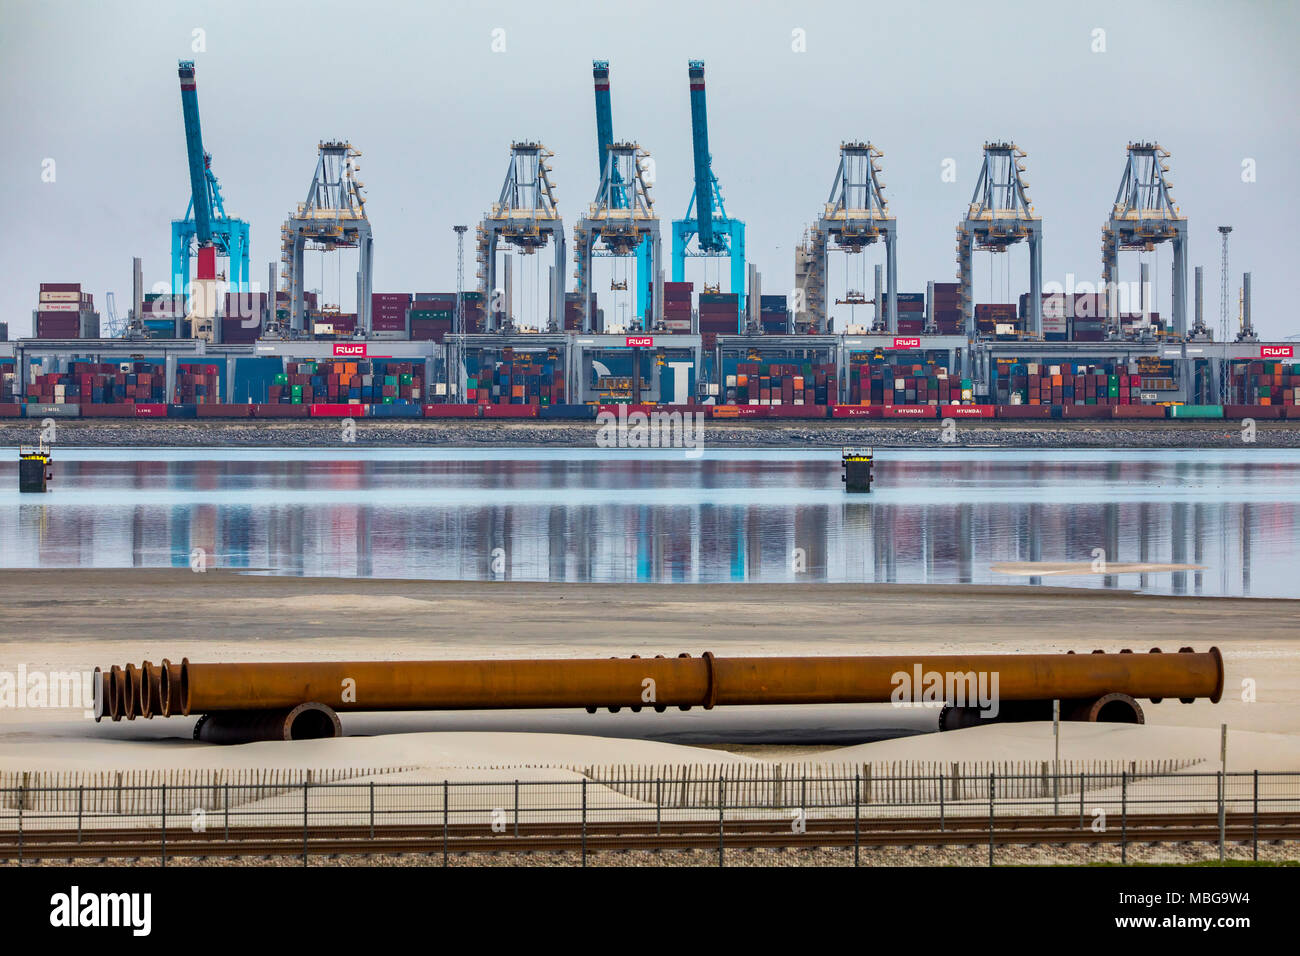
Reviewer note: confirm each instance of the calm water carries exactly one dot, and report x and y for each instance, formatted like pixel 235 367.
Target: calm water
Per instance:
pixel 597 515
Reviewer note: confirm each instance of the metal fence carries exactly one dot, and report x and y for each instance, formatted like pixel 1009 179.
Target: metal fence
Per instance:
pixel 599 804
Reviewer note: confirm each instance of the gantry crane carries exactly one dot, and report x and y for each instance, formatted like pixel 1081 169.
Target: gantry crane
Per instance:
pixel 525 216
pixel 620 222
pixel 855 215
pixel 1144 215
pixel 333 217
pixel 1000 215
pixel 717 235
pixel 205 228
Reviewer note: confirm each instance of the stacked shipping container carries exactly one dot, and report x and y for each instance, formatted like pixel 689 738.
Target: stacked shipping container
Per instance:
pixel 63 311
pixel 338 382
pixel 1264 383
pixel 99 383
pixel 677 306
pixel 757 383
pixel 518 380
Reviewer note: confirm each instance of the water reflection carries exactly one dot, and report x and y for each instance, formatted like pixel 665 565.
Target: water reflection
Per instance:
pixel 520 515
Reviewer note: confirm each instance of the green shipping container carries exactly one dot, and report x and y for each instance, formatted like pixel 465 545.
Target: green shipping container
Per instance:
pixel 282 379
pixel 406 378
pixel 1195 411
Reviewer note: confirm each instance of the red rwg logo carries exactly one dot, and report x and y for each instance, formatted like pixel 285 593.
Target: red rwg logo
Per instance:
pixel 1277 351
pixel 912 343
pixel 357 351
pixel 640 341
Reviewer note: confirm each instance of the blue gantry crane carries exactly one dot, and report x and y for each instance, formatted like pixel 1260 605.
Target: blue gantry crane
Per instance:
pixel 716 234
pixel 205 229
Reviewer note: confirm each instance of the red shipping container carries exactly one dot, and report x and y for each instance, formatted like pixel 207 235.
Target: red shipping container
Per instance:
pixel 1024 411
pixel 281 411
pixel 967 411
pixel 1085 411
pixel 739 411
pixel 1252 411
pixel 150 411
pixel 1136 411
pixel 452 411
pixel 327 410
pixel 857 411
pixel 108 411
pixel 910 411
pixel 225 411
pixel 509 411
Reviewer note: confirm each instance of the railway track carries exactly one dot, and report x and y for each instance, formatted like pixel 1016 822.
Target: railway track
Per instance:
pixel 638 835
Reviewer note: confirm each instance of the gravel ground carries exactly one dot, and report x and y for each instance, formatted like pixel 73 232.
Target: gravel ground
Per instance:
pixel 1073 855
pixel 829 434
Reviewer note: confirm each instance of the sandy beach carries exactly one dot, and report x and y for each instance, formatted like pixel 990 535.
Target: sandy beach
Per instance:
pixel 79 619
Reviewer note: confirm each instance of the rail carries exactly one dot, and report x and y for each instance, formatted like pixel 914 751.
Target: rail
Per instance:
pixel 540 810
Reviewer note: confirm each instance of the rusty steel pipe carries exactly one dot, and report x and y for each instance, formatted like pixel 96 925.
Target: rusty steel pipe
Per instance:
pixel 309 721
pixel 150 701
pixel 703 681
pixel 117 691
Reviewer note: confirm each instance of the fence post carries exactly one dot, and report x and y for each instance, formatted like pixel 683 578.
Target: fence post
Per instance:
pixel 1081 789
pixel 659 802
pixel 516 809
pixel 21 800
pixel 80 794
pixel 164 825
pixel 372 809
pixel 1223 785
pixel 1123 816
pixel 1254 827
pixel 857 816
pixel 226 802
pixel 941 823
pixel 991 791
pixel 305 785
pixel 721 819
pixel 446 795
pixel 584 821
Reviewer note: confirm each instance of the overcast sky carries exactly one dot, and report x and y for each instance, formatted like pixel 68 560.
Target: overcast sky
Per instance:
pixel 421 91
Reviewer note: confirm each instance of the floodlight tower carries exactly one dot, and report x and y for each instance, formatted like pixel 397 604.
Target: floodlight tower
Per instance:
pixel 1000 215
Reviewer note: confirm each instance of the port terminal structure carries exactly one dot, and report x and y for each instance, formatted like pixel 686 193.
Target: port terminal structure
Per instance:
pixel 621 222
pixel 578 351
pixel 332 217
pixel 523 220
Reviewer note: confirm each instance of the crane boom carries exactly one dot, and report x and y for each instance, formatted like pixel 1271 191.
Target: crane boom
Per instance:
pixel 604 113
pixel 704 210
pixel 200 197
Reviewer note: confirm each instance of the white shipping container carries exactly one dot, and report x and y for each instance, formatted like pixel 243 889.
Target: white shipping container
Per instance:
pixel 59 307
pixel 60 296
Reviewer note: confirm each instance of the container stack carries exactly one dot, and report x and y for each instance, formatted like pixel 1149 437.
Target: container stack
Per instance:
pixel 774 314
pixel 389 314
pixel 163 314
pixel 518 380
pixel 100 383
pixel 677 306
pixel 947 308
pixel 432 315
pixel 719 315
pixel 990 315
pixel 242 316
pixel 573 310
pixel 1265 383
pixel 310 306
pixel 63 311
pixel 197 385
pixel 757 383
pixel 337 382
pixel 1034 383
pixel 880 383
pixel 911 312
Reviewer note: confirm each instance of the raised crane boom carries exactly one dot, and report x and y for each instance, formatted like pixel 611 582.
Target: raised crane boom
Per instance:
pixel 198 167
pixel 705 183
pixel 605 125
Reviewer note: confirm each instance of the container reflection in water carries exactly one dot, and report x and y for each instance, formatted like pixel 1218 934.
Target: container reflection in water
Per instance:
pixel 584 515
